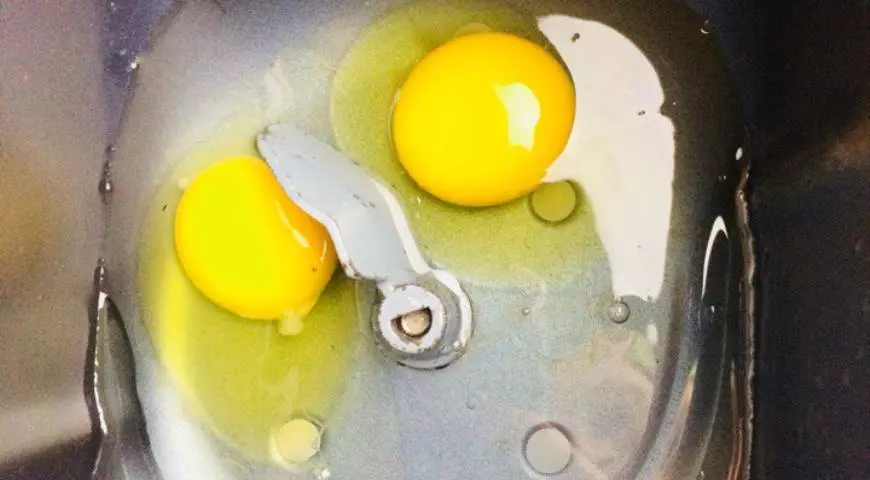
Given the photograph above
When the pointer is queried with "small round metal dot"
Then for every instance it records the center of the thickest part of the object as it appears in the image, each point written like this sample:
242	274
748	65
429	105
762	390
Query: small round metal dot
415	324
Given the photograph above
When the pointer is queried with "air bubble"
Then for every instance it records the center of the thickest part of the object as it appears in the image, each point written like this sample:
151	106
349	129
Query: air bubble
297	441
618	311
554	202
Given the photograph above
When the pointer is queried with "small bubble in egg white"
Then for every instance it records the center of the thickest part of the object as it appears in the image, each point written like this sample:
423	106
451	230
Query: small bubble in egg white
554	202
618	311
297	441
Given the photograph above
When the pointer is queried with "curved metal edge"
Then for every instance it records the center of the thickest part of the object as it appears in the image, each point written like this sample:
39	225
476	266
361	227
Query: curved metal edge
745	369
121	444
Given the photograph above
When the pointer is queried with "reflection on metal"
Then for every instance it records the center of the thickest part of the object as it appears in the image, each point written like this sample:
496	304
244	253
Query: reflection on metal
718	227
374	242
110	390
745	355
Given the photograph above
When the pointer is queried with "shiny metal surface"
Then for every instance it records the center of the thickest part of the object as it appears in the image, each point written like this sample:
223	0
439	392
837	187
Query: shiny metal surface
800	70
51	151
199	52
653	424
122	444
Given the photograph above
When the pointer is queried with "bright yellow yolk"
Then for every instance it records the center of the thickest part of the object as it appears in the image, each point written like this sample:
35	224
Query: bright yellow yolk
480	118
247	246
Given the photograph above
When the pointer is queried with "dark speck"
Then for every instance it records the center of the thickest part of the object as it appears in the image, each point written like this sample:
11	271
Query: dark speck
220	6
164	208
575	37
314	269
641	113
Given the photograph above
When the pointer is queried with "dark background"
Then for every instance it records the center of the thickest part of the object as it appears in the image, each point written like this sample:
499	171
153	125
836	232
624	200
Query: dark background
811	217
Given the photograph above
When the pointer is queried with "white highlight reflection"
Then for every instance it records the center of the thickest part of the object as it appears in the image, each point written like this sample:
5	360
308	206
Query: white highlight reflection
621	149
718	226
523	111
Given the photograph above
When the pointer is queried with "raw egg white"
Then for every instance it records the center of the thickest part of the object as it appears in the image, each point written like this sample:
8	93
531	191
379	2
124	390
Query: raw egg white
243	379
483	108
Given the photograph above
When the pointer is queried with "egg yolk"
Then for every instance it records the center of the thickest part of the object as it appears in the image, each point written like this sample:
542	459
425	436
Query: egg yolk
479	119
247	246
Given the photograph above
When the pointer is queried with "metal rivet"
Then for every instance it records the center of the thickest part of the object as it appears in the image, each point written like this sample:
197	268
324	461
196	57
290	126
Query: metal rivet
415	324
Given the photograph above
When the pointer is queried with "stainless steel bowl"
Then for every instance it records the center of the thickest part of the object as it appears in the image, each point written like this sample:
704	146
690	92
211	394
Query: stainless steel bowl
92	97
